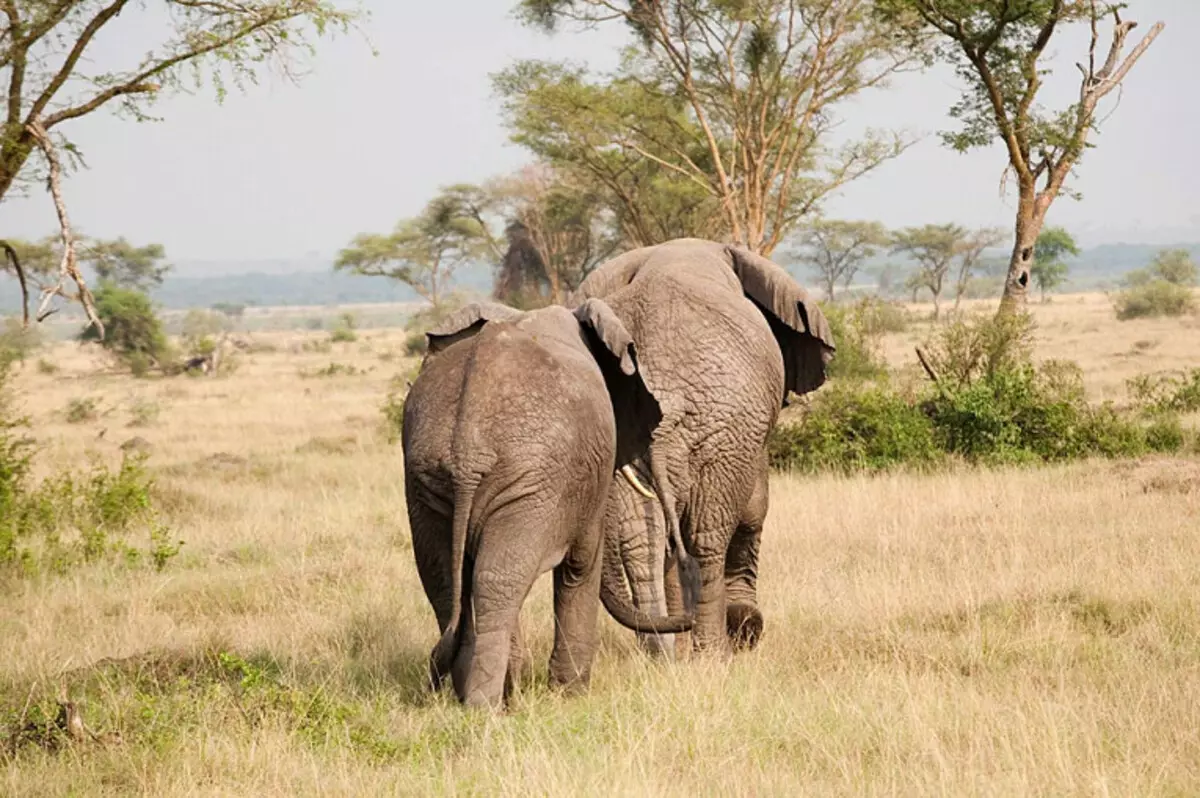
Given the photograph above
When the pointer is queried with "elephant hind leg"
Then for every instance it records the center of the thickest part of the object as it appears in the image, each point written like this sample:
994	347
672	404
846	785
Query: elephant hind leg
576	614
505	568
743	619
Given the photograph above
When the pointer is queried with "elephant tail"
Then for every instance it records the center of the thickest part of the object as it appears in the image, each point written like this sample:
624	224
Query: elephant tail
616	600
689	569
442	657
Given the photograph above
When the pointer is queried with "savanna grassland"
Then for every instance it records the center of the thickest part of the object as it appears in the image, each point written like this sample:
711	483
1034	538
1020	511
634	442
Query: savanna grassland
1007	632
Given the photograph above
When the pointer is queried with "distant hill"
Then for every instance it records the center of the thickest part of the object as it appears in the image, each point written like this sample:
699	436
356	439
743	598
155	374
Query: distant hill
312	281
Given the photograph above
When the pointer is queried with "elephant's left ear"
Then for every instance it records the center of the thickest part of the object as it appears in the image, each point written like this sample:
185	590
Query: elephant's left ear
467	321
800	327
635	408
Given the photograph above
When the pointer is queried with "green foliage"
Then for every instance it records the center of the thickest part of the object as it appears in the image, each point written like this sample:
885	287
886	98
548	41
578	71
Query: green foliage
344	333
1146	296
423	252
977	347
133	332
1165	393
735	128
1175	266
71	519
990	406
119	262
199	329
1049	269
851	429
858	338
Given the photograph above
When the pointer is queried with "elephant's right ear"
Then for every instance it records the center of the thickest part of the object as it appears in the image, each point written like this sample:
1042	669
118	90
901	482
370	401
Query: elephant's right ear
635	407
799	326
467	321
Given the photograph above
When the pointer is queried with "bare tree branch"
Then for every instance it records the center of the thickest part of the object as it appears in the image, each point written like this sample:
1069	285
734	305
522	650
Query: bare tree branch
69	267
16	265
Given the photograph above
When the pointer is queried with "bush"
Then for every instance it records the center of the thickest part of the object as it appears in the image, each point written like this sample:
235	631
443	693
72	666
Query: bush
1154	298
133	333
857	330
82	410
848	429
18	342
1162	289
990	406
1171	392
415	343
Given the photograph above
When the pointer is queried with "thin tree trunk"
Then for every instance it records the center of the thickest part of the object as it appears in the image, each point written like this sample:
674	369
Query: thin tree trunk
1031	214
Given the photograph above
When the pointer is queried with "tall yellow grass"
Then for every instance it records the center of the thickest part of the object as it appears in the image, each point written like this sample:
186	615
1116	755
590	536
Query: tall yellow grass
976	633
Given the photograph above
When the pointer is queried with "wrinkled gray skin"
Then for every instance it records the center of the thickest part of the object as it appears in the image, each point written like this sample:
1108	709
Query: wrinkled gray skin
511	434
722	335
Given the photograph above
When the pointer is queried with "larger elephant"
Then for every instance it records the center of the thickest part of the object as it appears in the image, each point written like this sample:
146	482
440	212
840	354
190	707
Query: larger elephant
723	335
511	435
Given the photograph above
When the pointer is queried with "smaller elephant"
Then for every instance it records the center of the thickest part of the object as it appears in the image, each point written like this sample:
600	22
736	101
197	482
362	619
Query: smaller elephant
512	433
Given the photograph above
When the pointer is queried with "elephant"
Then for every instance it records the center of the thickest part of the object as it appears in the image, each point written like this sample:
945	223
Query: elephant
512	433
723	335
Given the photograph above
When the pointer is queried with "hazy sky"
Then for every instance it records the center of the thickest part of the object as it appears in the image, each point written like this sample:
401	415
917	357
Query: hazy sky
286	171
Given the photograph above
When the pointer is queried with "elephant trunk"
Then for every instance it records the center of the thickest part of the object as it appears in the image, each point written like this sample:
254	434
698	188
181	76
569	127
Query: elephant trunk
616	600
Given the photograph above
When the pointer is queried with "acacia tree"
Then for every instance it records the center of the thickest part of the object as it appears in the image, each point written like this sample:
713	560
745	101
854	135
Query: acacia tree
561	231
933	247
49	77
423	252
757	84
590	131
1049	269
969	250
997	48
836	249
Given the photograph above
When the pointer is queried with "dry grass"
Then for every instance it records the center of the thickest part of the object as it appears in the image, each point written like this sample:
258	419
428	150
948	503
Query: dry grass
1004	633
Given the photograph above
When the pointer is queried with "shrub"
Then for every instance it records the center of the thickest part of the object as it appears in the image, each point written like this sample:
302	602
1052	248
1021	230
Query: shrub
82	410
132	331
856	331
415	343
850	429
1154	298
1170	392
989	406
971	348
71	519
18	342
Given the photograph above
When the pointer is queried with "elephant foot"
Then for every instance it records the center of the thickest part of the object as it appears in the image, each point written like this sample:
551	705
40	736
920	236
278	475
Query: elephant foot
744	623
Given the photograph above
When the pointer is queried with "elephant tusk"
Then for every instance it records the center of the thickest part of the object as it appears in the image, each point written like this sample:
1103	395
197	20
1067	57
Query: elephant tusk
629	475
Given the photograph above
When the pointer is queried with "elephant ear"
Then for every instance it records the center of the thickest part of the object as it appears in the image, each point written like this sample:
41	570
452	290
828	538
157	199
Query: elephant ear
467	321
635	408
798	324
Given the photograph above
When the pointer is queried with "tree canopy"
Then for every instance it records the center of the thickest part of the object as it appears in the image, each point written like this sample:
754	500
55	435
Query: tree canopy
835	249
46	49
997	49
734	100
423	252
1049	270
